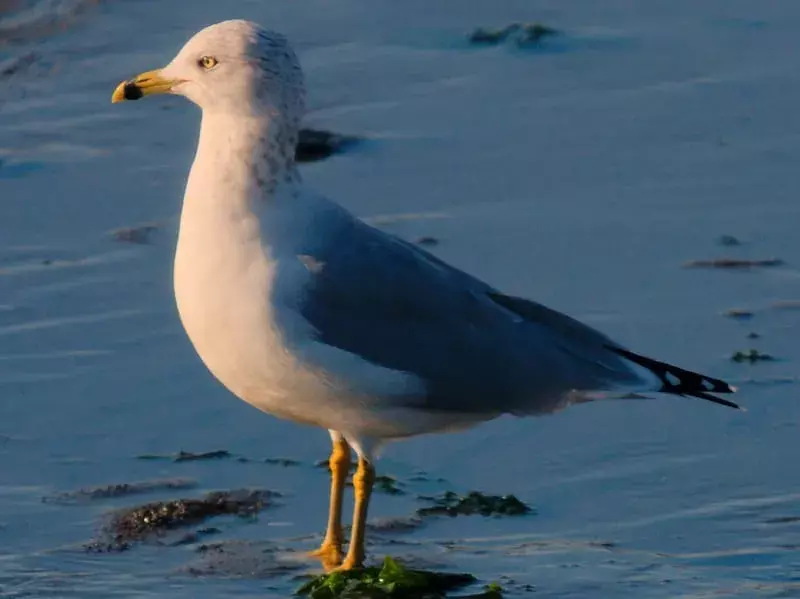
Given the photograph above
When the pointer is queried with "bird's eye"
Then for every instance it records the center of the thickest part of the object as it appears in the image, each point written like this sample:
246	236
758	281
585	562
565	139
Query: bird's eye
207	62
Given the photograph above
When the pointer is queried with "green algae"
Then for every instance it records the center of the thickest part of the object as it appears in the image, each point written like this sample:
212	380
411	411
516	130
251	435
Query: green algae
392	579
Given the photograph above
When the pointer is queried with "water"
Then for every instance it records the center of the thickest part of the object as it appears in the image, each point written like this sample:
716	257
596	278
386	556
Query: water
583	175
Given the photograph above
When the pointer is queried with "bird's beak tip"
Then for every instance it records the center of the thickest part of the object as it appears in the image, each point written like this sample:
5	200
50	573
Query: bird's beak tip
146	84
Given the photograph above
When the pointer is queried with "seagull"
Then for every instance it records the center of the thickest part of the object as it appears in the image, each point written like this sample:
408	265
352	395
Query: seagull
309	314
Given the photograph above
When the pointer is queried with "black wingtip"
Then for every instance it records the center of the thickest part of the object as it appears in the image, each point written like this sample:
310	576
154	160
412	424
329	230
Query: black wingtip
678	381
717	400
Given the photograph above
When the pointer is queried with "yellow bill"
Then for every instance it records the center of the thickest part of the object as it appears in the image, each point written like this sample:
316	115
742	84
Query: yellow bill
146	84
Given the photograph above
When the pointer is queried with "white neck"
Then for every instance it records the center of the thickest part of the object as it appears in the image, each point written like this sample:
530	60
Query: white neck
244	159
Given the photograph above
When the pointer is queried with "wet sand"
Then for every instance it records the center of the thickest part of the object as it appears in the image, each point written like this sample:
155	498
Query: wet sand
585	172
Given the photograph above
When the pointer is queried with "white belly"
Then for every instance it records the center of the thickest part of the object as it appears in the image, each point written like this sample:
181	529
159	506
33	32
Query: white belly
223	283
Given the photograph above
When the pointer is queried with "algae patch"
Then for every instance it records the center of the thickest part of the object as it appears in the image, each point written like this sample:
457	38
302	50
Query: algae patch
188	456
523	34
138	234
452	504
734	263
283	462
738	314
153	520
752	356
390	580
218	454
729	240
185	456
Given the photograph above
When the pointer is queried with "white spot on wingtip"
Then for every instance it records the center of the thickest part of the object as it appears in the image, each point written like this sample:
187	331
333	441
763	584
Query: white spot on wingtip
311	263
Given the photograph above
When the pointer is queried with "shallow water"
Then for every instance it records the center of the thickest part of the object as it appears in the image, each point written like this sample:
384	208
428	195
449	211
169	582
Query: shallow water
583	174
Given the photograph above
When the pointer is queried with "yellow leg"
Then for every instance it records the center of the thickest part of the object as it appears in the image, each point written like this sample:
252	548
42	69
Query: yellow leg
363	480
330	552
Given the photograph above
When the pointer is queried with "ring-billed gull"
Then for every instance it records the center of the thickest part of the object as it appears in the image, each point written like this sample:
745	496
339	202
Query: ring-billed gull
309	314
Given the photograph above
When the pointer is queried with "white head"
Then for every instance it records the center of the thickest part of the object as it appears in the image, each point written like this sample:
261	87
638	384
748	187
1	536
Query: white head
233	67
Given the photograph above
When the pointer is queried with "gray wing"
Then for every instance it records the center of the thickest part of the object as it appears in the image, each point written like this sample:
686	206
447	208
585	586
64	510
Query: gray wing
477	350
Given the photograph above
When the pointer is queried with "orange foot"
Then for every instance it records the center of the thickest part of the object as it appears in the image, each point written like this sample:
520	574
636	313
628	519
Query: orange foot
351	562
330	554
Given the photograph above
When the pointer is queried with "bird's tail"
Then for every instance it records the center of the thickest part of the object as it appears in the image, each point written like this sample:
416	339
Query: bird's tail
677	381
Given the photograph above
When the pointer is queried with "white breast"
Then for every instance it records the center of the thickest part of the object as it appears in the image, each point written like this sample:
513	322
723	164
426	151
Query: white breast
222	280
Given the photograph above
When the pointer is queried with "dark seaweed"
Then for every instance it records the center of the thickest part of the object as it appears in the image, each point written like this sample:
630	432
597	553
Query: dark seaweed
155	519
186	456
285	462
733	263
752	356
452	504
729	240
219	454
739	314
532	34
140	234
525	34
